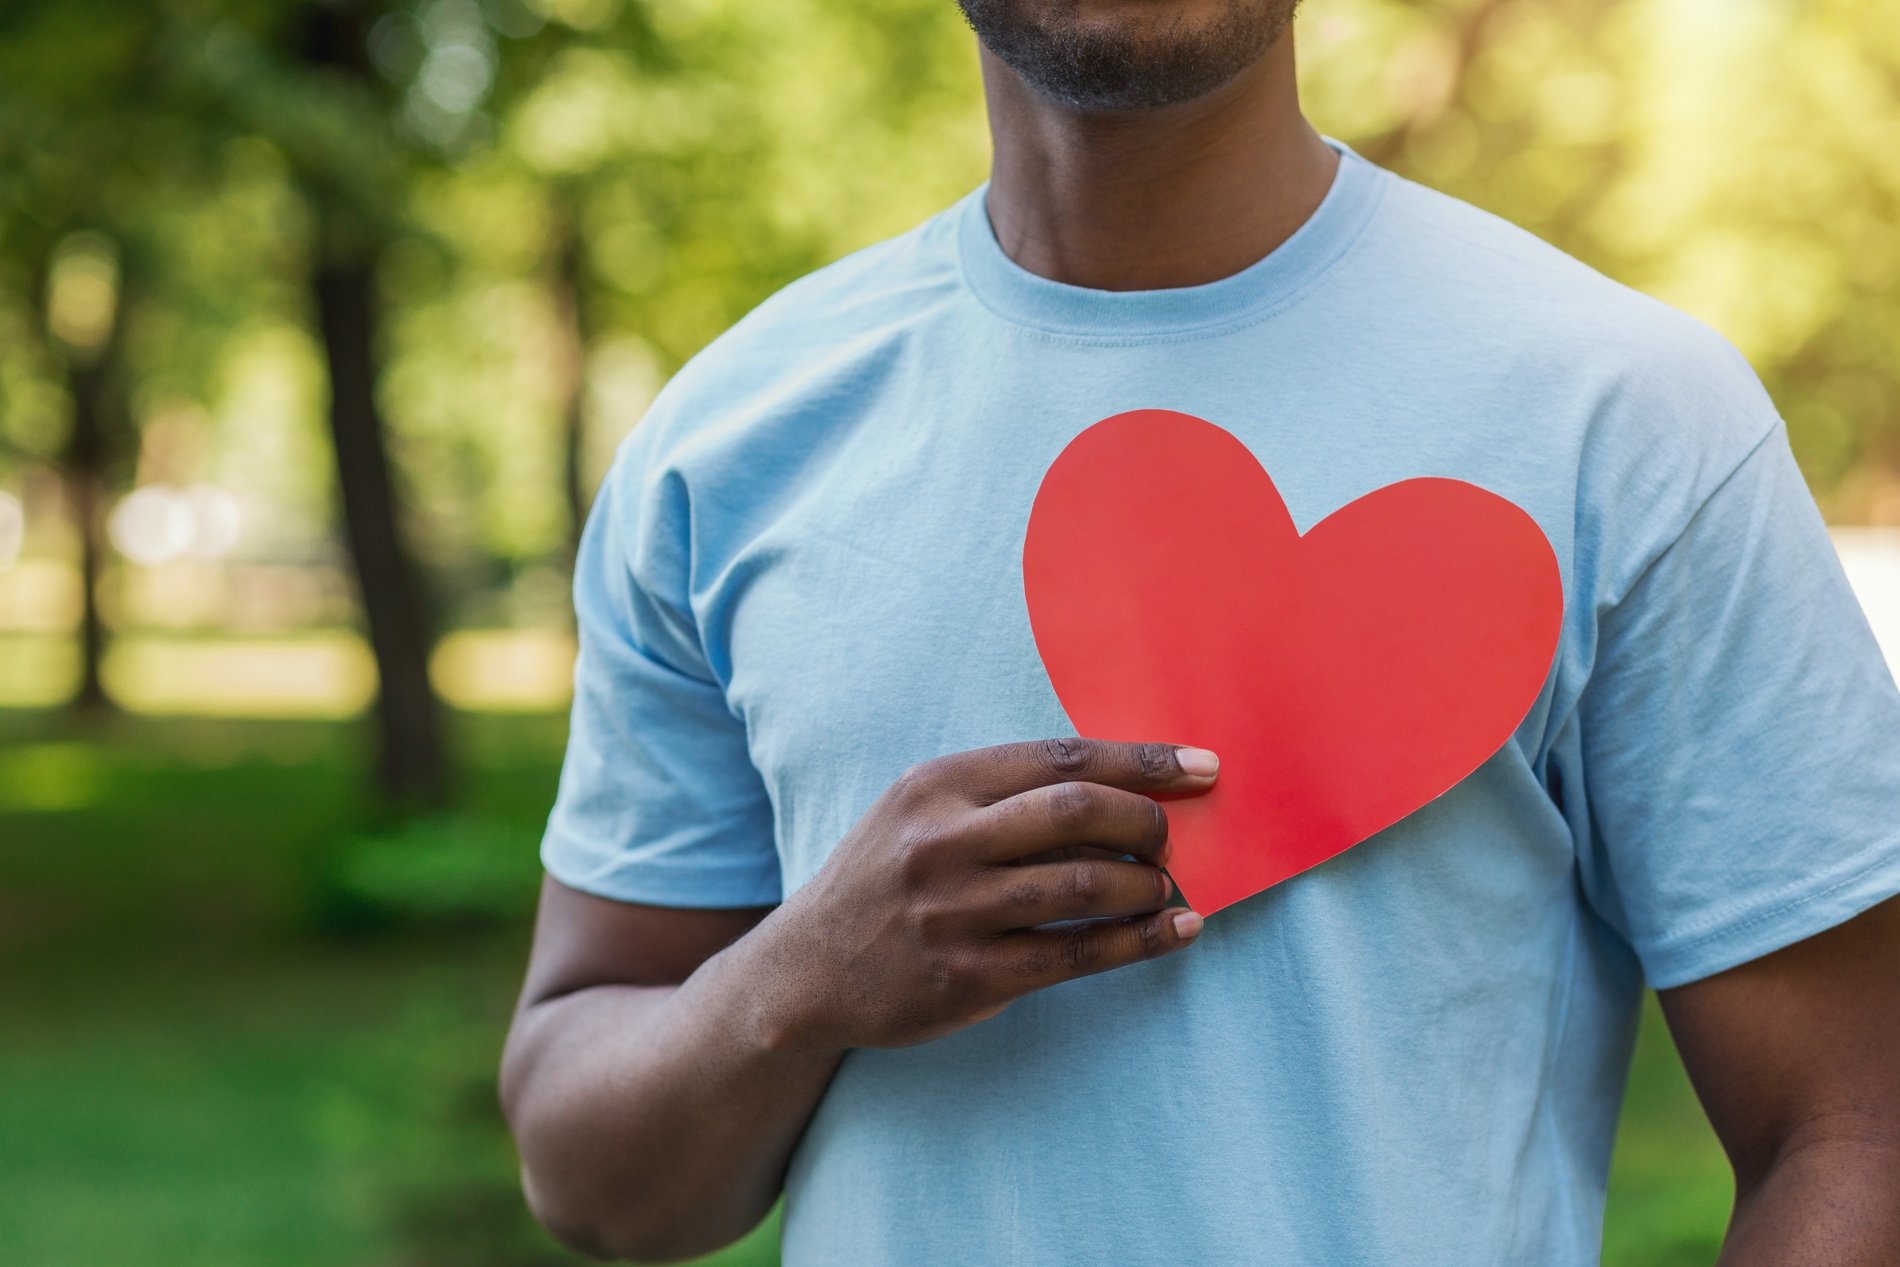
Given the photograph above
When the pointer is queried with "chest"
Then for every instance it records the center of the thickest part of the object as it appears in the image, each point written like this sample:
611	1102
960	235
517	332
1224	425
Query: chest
876	617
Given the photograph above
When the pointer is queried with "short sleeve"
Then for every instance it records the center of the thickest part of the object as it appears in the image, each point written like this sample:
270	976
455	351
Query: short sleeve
1740	737
659	802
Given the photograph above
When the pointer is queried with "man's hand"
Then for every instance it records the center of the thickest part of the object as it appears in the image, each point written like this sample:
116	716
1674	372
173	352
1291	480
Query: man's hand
664	1063
931	914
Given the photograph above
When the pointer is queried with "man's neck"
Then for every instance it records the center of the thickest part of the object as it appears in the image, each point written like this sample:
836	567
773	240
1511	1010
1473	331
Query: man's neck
1153	199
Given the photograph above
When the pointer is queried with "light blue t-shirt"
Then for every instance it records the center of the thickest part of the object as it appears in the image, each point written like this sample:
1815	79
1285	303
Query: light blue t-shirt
804	575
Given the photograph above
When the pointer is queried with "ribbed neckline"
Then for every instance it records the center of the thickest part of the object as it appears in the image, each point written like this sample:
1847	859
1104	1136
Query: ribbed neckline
1016	294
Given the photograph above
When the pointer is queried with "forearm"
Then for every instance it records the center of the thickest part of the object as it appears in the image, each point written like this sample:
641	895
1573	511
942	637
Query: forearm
655	1122
1829	1201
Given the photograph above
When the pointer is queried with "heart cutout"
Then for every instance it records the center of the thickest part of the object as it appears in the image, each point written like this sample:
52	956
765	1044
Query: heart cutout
1346	676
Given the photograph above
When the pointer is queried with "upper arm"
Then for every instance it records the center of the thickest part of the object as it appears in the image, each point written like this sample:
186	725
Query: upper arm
659	802
1799	1046
585	943
1735	796
582	941
1738	750
592	1057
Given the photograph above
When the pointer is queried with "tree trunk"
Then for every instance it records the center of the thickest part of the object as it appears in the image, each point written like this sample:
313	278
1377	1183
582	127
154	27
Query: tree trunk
100	416
91	386
413	760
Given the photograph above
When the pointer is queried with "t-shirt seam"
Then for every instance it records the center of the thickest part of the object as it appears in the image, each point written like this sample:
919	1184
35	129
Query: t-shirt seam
660	864
1554	724
1225	325
1571	712
1881	853
1649	565
657	878
1518	258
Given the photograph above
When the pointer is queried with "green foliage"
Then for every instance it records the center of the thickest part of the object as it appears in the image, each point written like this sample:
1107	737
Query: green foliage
699	155
439	871
1733	160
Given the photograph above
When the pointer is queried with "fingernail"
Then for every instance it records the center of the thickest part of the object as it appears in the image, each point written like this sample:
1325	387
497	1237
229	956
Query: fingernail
1187	925
1197	761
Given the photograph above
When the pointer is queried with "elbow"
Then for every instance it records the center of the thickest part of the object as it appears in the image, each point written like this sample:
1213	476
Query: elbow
577	1236
571	1214
1848	1147
623	1230
604	1195
575	1230
587	1232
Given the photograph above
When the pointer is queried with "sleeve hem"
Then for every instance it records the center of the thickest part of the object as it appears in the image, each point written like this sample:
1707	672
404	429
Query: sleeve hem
1793	915
688	887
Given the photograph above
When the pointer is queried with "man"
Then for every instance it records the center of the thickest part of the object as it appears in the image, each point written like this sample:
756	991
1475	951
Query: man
838	906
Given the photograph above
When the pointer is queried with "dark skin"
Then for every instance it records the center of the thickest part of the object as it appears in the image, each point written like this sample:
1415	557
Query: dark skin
1796	1058
1180	195
664	1063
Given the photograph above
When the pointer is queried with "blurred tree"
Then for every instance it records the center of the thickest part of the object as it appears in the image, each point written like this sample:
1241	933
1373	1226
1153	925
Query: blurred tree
697	157
1734	160
305	78
84	296
334	42
368	99
78	152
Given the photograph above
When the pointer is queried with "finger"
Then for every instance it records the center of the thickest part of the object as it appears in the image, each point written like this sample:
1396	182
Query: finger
1040	957
1066	853
1023	897
1068	814
989	775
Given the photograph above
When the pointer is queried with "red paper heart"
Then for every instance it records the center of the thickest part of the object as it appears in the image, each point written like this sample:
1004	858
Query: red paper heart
1346	677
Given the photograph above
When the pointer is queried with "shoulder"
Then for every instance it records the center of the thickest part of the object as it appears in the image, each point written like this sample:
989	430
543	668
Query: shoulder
1533	303
1644	408
744	414
1653	385
1539	307
831	327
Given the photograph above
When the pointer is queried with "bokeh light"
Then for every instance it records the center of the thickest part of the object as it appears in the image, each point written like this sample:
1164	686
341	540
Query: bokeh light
12	529
217	520
152	525
156	524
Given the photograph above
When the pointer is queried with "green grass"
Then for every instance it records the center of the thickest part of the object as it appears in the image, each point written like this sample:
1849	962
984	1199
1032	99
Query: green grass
1670	1187
196	1111
247	1019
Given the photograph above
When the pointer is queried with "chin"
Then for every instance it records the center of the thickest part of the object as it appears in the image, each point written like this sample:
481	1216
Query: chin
1127	54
